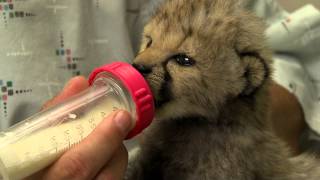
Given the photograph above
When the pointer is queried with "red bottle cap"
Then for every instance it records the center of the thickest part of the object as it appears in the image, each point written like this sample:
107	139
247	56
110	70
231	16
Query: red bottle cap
138	89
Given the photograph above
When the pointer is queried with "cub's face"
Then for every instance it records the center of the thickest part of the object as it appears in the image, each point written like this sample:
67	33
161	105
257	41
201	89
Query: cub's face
198	54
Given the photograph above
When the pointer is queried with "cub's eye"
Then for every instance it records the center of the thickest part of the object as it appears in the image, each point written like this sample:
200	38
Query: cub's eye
149	41
184	60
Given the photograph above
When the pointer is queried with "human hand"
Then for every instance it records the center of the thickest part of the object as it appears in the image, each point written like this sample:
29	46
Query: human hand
101	155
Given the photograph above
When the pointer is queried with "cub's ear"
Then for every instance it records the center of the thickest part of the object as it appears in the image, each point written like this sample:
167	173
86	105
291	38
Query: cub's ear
256	71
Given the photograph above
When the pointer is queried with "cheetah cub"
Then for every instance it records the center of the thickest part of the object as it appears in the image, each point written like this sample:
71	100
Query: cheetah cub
209	69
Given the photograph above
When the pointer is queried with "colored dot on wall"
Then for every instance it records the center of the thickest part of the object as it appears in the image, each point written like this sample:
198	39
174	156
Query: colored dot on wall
10	92
1	82
77	73
4	97
4	89
28	14
9	83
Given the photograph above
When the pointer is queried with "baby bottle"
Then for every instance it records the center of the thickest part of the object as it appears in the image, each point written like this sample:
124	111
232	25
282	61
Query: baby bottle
38	141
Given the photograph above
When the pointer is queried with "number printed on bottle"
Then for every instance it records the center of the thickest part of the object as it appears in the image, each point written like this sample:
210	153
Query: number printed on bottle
103	115
92	123
54	143
80	131
67	136
114	108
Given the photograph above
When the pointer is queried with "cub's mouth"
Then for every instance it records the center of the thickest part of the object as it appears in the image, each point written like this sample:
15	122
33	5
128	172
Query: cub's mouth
160	84
161	89
164	95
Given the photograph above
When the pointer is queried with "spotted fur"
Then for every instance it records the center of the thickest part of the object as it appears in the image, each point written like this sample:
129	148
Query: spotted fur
209	69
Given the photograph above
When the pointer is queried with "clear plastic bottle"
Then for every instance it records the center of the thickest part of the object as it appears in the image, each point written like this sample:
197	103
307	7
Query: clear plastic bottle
39	140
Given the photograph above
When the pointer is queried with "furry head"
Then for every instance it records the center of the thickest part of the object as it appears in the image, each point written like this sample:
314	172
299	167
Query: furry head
199	54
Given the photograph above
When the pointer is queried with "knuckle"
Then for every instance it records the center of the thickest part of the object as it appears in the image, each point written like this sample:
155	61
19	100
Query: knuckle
75	168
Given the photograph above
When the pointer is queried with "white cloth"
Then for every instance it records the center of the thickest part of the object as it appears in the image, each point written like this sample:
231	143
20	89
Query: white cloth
295	39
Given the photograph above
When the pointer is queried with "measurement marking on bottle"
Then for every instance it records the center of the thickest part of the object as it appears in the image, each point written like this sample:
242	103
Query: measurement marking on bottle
80	131
92	123
103	114
67	136
54	143
40	149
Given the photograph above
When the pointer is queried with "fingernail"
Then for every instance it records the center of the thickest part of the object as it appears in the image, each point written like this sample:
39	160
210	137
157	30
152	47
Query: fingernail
123	121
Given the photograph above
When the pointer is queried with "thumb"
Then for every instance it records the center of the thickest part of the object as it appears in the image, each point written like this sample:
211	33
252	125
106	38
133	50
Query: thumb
123	120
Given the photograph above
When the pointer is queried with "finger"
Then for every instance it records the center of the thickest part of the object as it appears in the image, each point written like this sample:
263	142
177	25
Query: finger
87	158
74	86
116	167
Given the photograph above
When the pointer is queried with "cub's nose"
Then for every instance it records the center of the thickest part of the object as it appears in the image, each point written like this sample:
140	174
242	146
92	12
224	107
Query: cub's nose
143	69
